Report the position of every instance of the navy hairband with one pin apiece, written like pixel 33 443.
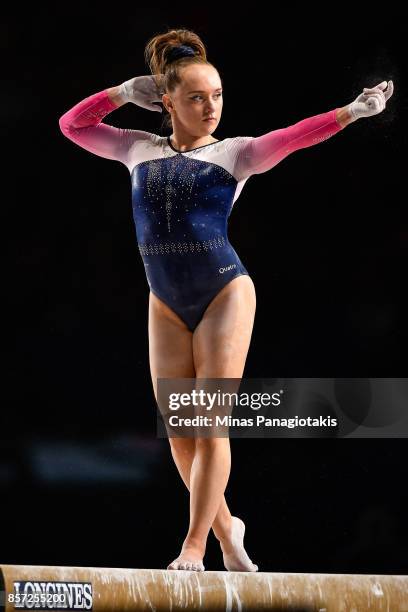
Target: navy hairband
pixel 180 51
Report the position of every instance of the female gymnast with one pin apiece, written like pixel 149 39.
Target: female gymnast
pixel 202 299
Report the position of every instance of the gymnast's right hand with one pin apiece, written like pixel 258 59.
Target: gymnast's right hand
pixel 143 91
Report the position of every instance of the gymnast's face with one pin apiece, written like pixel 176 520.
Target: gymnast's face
pixel 198 96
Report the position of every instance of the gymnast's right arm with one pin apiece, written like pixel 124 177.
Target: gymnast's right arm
pixel 83 122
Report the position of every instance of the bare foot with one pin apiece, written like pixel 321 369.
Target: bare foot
pixel 234 553
pixel 189 559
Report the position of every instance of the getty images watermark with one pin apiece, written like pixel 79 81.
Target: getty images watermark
pixel 282 407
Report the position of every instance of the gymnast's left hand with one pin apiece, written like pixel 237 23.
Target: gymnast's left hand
pixel 372 101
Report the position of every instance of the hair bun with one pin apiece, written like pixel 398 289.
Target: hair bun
pixel 179 51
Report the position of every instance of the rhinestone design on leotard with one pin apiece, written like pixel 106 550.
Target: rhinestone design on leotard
pixel 177 200
pixel 163 248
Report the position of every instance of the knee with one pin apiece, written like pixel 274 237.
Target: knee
pixel 210 445
pixel 182 447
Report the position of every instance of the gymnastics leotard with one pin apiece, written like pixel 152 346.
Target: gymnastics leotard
pixel 181 200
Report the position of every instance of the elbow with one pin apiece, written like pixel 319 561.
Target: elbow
pixel 64 125
pixel 67 126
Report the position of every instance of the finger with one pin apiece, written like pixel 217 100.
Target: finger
pixel 381 85
pixel 372 90
pixel 389 91
pixel 375 102
pixel 379 96
pixel 373 107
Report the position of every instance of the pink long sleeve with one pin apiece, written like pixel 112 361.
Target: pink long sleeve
pixel 82 124
pixel 259 154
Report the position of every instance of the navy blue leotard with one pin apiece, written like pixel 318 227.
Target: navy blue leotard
pixel 182 199
pixel 181 204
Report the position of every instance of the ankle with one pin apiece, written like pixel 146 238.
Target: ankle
pixel 194 544
pixel 223 532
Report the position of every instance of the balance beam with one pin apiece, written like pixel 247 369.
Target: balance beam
pixel 125 590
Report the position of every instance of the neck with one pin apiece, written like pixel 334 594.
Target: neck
pixel 185 142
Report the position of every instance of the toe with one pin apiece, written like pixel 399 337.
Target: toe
pixel 174 565
pixel 186 565
pixel 199 567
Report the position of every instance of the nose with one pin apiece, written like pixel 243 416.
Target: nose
pixel 210 108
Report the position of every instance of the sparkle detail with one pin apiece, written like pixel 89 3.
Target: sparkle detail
pixel 166 248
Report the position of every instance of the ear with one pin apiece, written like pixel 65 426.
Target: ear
pixel 167 103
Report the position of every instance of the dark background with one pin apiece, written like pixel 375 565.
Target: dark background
pixel 324 235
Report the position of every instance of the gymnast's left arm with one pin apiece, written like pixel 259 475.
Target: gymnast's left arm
pixel 257 155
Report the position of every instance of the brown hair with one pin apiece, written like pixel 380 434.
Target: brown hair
pixel 156 55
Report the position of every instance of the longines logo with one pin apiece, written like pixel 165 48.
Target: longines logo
pixel 222 270
pixel 51 595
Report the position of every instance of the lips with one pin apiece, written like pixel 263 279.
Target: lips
pixel 210 119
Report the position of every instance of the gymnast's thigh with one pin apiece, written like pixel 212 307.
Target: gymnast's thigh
pixel 170 344
pixel 222 338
